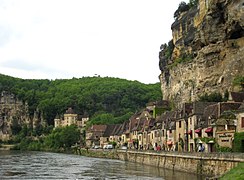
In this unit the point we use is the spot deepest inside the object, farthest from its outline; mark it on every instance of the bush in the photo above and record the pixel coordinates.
(239, 81)
(238, 142)
(213, 97)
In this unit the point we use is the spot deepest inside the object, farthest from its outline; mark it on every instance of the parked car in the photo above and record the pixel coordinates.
(124, 147)
(108, 146)
(96, 147)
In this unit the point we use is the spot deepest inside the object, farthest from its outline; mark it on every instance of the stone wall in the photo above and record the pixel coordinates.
(211, 164)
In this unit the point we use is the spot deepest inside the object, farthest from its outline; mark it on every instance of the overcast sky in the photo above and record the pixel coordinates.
(57, 39)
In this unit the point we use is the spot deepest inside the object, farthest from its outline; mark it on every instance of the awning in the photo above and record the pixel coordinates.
(198, 130)
(209, 130)
(190, 132)
(130, 141)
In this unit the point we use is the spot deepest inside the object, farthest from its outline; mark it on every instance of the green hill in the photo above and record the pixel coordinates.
(105, 99)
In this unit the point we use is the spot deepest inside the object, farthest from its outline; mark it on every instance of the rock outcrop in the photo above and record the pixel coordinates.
(14, 114)
(207, 51)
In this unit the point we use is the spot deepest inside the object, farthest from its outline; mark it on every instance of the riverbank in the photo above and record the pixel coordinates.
(99, 153)
(208, 164)
(235, 173)
(6, 147)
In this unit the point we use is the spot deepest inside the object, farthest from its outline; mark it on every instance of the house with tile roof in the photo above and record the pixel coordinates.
(93, 135)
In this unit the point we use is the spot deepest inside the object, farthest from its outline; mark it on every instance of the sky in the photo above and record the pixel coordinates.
(62, 39)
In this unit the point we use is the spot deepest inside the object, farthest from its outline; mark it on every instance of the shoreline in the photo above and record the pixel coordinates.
(167, 160)
(212, 166)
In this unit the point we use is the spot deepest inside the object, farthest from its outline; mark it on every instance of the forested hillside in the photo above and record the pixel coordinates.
(105, 100)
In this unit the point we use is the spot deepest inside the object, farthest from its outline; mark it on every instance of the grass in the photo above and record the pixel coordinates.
(236, 173)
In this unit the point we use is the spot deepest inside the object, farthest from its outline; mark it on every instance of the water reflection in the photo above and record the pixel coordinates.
(42, 165)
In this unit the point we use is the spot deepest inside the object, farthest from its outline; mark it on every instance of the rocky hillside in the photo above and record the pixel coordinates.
(207, 50)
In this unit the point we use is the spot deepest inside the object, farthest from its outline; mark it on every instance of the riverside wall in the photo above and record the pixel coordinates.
(210, 164)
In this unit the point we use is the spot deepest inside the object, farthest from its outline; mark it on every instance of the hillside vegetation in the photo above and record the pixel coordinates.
(106, 100)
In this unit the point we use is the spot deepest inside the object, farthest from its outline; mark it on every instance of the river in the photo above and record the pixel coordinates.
(44, 165)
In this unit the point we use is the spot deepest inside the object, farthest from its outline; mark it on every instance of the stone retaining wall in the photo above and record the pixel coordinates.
(211, 164)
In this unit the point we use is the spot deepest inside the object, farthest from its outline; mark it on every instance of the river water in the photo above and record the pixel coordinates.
(44, 165)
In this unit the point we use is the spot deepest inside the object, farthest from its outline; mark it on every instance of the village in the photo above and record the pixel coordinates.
(195, 127)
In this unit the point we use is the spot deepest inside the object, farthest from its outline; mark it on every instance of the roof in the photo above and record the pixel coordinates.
(236, 96)
(198, 107)
(100, 128)
(69, 111)
(222, 122)
(109, 130)
(215, 110)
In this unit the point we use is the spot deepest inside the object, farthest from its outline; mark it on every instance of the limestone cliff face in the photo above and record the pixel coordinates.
(14, 113)
(211, 36)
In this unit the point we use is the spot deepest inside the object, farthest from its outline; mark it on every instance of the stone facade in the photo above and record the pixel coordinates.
(71, 118)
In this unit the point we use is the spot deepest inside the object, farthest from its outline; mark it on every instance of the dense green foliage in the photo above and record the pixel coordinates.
(183, 7)
(92, 96)
(168, 49)
(59, 139)
(239, 81)
(239, 142)
(213, 97)
(107, 118)
(236, 173)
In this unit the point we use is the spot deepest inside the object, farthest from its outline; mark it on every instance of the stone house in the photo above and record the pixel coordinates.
(116, 135)
(125, 136)
(240, 120)
(225, 130)
(212, 114)
(156, 135)
(93, 135)
(107, 136)
(194, 123)
(168, 121)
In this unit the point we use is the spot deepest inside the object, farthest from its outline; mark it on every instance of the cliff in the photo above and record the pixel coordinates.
(207, 51)
(14, 114)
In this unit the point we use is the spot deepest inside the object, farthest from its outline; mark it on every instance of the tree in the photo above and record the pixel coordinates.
(62, 137)
(182, 8)
(193, 3)
(15, 126)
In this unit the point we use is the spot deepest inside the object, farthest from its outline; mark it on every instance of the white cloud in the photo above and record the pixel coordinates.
(78, 38)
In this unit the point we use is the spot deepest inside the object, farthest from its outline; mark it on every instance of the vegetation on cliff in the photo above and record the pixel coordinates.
(183, 7)
(92, 96)
(239, 81)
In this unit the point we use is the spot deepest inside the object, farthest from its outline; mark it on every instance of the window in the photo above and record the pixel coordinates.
(179, 124)
(242, 122)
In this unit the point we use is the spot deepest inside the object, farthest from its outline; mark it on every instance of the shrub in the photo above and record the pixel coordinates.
(239, 142)
(213, 97)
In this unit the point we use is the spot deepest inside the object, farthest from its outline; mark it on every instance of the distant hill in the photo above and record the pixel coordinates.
(92, 96)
